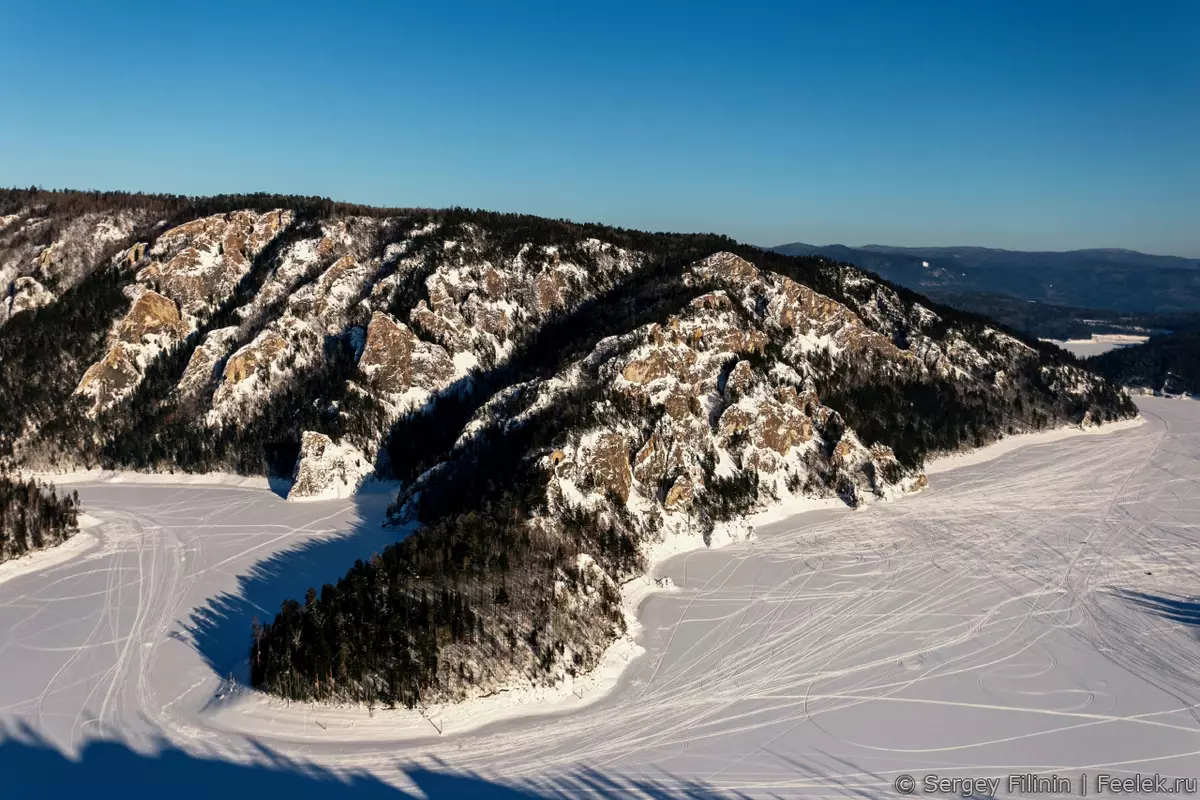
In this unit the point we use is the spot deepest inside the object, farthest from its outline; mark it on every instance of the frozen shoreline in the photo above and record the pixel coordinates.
(251, 713)
(1004, 615)
(239, 710)
(1008, 444)
(38, 560)
(154, 478)
(1105, 338)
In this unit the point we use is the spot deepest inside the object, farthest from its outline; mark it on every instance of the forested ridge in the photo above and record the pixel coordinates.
(500, 576)
(1168, 364)
(475, 585)
(1049, 321)
(51, 347)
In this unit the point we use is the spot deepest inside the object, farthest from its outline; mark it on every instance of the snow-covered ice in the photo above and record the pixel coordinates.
(1031, 612)
(1099, 343)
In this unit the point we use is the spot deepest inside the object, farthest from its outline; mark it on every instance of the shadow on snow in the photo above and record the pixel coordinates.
(1176, 609)
(220, 629)
(32, 769)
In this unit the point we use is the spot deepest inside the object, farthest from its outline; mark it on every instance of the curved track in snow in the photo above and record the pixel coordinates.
(1034, 612)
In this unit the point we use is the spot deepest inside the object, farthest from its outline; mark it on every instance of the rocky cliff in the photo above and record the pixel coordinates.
(555, 399)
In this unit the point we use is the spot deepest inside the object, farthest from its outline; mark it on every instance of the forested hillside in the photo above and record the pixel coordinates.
(555, 398)
(1064, 322)
(33, 516)
(1167, 364)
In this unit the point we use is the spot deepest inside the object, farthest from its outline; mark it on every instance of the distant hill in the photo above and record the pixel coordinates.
(1116, 280)
(1168, 364)
(1047, 321)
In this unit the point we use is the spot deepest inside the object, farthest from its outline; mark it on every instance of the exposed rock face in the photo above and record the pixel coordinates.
(607, 460)
(713, 406)
(249, 372)
(338, 288)
(729, 268)
(198, 264)
(27, 294)
(679, 496)
(151, 315)
(394, 360)
(152, 325)
(295, 339)
(326, 471)
(572, 435)
(331, 282)
(740, 380)
(192, 268)
(675, 361)
(202, 368)
(247, 361)
(476, 306)
(37, 249)
(780, 427)
(110, 378)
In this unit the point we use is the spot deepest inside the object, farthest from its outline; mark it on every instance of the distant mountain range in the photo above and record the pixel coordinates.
(1117, 280)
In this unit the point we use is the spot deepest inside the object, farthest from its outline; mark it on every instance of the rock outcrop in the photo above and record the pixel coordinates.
(203, 366)
(152, 325)
(110, 378)
(188, 272)
(152, 314)
(326, 471)
(394, 360)
(39, 248)
(198, 264)
(27, 294)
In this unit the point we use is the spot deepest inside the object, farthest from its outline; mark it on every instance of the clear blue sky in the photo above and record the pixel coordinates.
(1037, 125)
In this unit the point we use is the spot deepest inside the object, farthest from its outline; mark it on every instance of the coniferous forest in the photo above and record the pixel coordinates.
(33, 516)
(1168, 364)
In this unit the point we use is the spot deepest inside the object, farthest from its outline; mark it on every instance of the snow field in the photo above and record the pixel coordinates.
(1031, 612)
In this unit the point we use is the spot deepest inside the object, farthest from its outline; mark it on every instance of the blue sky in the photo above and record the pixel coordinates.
(1036, 125)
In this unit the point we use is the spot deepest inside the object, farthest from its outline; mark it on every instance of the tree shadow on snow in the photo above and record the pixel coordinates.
(1176, 609)
(33, 769)
(839, 777)
(220, 629)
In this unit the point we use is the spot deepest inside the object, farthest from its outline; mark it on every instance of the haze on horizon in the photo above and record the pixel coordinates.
(1018, 125)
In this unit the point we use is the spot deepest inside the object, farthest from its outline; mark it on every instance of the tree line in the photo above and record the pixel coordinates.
(33, 516)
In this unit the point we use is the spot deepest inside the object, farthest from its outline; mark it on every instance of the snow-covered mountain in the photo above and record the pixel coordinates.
(555, 398)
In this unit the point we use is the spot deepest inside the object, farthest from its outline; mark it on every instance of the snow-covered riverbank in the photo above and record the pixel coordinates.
(1030, 610)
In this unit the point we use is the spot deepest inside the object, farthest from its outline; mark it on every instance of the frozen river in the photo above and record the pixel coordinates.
(1035, 612)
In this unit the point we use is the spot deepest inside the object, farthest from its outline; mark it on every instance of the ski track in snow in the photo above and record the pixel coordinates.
(1028, 613)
